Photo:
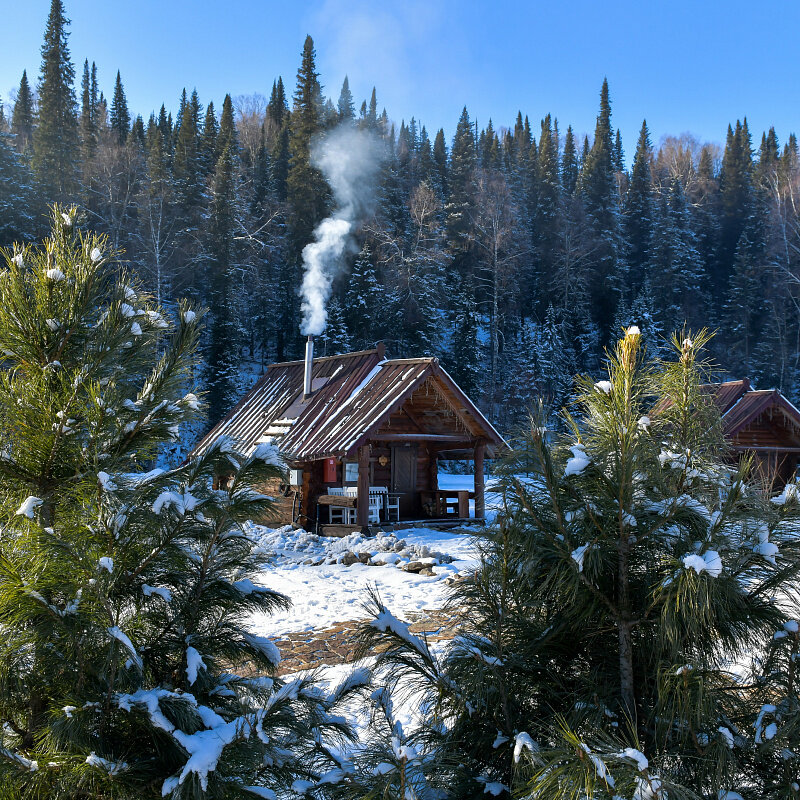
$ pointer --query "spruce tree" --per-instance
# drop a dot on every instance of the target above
(17, 204)
(461, 186)
(88, 121)
(364, 305)
(336, 337)
(22, 116)
(123, 591)
(224, 345)
(569, 163)
(598, 186)
(440, 160)
(637, 212)
(55, 139)
(547, 218)
(307, 191)
(209, 151)
(345, 109)
(120, 116)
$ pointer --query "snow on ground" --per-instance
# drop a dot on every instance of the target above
(327, 591)
(324, 590)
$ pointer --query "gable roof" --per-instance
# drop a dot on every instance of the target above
(740, 406)
(353, 395)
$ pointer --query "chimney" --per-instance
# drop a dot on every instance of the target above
(308, 367)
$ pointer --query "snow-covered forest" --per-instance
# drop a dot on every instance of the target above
(624, 624)
(515, 252)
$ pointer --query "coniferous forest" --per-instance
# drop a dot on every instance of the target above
(515, 253)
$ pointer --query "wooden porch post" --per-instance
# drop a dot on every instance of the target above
(480, 503)
(362, 510)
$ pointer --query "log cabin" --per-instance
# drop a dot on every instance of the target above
(762, 424)
(362, 436)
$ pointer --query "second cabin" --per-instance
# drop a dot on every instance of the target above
(363, 437)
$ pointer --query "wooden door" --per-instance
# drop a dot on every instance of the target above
(404, 478)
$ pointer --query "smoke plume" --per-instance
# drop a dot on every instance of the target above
(349, 159)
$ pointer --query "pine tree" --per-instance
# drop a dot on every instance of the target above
(629, 568)
(55, 140)
(142, 578)
(120, 116)
(22, 116)
(277, 132)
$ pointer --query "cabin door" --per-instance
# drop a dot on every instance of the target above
(404, 478)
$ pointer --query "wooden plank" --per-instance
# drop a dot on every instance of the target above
(450, 438)
(362, 510)
(480, 499)
(336, 500)
(463, 505)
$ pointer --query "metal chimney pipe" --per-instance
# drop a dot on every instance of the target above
(308, 366)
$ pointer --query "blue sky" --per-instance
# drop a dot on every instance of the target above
(685, 66)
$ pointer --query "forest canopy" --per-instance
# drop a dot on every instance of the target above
(515, 252)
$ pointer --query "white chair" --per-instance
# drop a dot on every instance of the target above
(377, 501)
(340, 514)
(393, 508)
(374, 513)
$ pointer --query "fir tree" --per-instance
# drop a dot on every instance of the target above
(637, 212)
(120, 116)
(209, 149)
(17, 217)
(336, 338)
(88, 122)
(306, 188)
(55, 140)
(364, 303)
(345, 109)
(22, 117)
(461, 182)
(223, 353)
(440, 161)
(569, 163)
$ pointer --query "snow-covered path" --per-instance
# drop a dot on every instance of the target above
(328, 593)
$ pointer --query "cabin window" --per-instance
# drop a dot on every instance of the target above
(351, 472)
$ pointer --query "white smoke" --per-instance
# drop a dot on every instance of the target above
(349, 159)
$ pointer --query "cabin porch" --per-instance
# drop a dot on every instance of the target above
(399, 481)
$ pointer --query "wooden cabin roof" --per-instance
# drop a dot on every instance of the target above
(740, 406)
(353, 397)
